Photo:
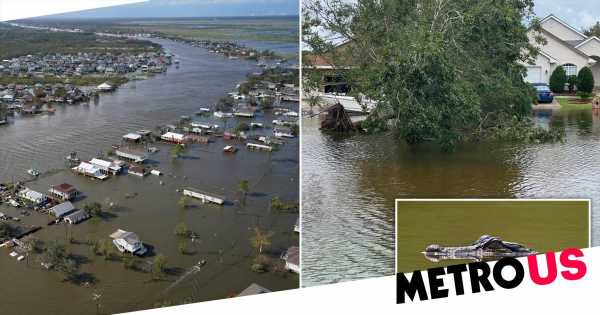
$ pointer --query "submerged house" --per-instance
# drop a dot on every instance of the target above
(128, 242)
(90, 170)
(131, 155)
(173, 137)
(254, 289)
(203, 196)
(32, 196)
(63, 191)
(106, 167)
(76, 217)
(62, 209)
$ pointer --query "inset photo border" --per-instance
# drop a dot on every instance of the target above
(442, 232)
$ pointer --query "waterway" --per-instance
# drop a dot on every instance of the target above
(350, 184)
(144, 205)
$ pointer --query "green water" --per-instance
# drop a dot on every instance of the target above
(540, 225)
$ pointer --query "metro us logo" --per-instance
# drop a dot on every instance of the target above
(481, 275)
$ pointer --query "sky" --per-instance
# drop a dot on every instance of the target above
(193, 8)
(578, 13)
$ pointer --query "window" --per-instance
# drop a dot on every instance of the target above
(570, 69)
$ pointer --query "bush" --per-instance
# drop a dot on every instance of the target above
(558, 80)
(585, 83)
(572, 82)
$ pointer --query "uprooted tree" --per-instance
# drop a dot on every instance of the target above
(440, 70)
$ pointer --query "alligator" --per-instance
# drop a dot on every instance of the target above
(485, 248)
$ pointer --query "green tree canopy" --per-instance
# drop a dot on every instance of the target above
(585, 82)
(438, 69)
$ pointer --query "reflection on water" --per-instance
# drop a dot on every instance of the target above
(350, 184)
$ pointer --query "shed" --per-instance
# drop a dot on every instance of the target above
(77, 217)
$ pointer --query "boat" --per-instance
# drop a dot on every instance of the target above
(230, 149)
(72, 157)
(33, 172)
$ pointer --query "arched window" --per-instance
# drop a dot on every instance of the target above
(570, 69)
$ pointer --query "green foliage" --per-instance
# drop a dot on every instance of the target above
(278, 205)
(181, 230)
(593, 30)
(572, 82)
(225, 104)
(183, 244)
(558, 79)
(93, 208)
(20, 42)
(184, 202)
(177, 150)
(261, 239)
(158, 266)
(429, 90)
(585, 83)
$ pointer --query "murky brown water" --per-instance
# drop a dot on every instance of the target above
(350, 184)
(43, 142)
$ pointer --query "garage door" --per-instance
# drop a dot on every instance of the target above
(534, 74)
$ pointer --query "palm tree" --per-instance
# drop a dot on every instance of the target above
(261, 239)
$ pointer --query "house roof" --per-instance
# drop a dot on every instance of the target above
(31, 194)
(293, 255)
(102, 163)
(579, 52)
(591, 38)
(132, 136)
(77, 216)
(129, 237)
(62, 209)
(254, 289)
(64, 188)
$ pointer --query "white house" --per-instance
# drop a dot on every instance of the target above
(128, 242)
(173, 137)
(32, 196)
(566, 47)
(91, 170)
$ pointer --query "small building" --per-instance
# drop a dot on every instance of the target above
(254, 289)
(204, 197)
(292, 259)
(283, 133)
(76, 217)
(259, 146)
(90, 170)
(173, 137)
(62, 209)
(132, 137)
(131, 155)
(128, 242)
(63, 192)
(137, 170)
(106, 167)
(32, 196)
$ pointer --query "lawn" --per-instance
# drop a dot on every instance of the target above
(566, 102)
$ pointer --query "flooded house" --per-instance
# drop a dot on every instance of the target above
(106, 167)
(137, 170)
(256, 146)
(254, 289)
(132, 137)
(131, 155)
(128, 242)
(62, 209)
(64, 192)
(280, 132)
(32, 196)
(173, 137)
(88, 169)
(77, 217)
(203, 196)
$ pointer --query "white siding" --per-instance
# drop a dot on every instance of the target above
(561, 31)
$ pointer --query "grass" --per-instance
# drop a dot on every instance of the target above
(567, 104)
(540, 225)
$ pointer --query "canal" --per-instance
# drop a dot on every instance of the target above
(149, 206)
(350, 184)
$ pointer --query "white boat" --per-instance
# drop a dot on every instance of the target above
(33, 172)
(256, 125)
(204, 110)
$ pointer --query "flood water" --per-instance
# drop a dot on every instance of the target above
(153, 212)
(350, 184)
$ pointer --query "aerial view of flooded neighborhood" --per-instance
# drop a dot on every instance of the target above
(147, 162)
(440, 99)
